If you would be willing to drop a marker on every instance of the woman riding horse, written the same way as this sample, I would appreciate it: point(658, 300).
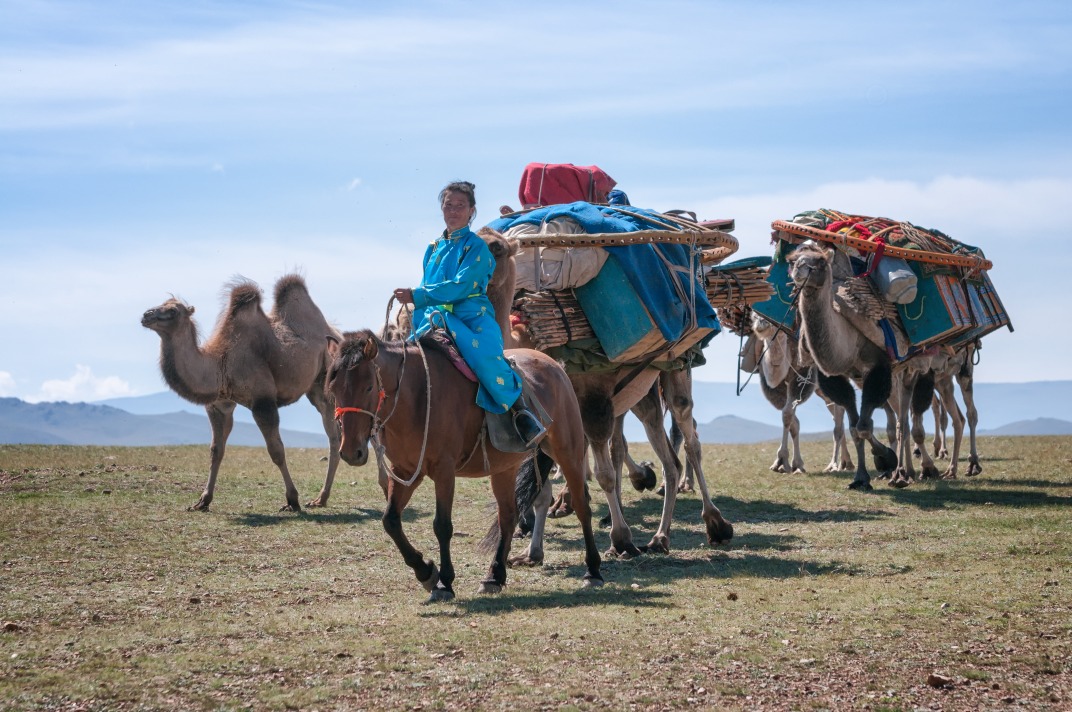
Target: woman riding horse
point(453, 295)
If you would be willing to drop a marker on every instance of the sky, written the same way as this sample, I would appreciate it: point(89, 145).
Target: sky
point(151, 149)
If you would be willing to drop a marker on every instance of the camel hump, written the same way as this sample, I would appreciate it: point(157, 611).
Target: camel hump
point(289, 286)
point(499, 245)
point(244, 294)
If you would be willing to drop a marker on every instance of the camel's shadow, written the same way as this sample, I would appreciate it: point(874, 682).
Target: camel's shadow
point(945, 493)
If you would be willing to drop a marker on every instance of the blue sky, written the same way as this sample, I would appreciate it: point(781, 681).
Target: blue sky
point(150, 149)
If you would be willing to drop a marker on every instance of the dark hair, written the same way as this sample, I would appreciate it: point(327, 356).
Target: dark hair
point(460, 186)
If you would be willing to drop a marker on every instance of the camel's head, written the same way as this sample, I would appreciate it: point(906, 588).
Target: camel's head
point(810, 266)
point(762, 327)
point(353, 381)
point(167, 316)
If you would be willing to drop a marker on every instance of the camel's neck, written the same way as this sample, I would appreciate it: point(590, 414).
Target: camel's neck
point(189, 372)
point(832, 340)
point(776, 359)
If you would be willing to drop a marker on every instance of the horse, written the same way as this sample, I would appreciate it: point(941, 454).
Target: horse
point(424, 419)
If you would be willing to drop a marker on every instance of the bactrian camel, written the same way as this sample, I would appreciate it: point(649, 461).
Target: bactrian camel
point(843, 354)
point(788, 381)
point(259, 361)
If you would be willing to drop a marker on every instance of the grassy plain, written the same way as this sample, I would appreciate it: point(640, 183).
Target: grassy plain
point(112, 596)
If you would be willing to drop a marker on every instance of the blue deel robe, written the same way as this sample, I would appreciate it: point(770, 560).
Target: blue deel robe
point(454, 294)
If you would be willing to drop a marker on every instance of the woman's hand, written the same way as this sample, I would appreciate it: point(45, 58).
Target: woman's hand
point(404, 295)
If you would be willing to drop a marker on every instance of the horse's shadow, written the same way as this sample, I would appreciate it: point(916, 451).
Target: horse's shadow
point(359, 515)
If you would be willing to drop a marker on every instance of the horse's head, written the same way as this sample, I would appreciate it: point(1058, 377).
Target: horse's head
point(353, 380)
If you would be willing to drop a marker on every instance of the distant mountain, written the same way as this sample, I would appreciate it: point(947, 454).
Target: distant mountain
point(64, 423)
point(1036, 408)
point(1038, 426)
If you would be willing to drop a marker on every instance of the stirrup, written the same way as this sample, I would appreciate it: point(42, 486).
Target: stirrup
point(529, 428)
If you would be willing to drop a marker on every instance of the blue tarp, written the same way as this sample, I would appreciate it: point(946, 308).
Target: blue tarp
point(642, 264)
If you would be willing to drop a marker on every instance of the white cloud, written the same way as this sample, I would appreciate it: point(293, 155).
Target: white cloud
point(83, 386)
point(7, 384)
point(353, 185)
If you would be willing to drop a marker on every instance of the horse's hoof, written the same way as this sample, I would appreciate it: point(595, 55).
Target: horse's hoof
point(645, 479)
point(441, 595)
point(488, 587)
point(861, 486)
point(605, 521)
point(590, 581)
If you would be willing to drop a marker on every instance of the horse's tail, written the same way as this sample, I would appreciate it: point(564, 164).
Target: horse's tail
point(531, 477)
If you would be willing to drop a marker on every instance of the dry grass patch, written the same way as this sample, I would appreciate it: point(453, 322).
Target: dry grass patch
point(112, 596)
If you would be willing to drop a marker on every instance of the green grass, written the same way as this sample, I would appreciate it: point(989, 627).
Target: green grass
point(113, 596)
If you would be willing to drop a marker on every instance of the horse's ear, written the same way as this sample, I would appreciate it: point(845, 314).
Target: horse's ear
point(333, 345)
point(369, 350)
point(191, 312)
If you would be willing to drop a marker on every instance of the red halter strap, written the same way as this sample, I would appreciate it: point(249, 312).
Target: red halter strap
point(339, 412)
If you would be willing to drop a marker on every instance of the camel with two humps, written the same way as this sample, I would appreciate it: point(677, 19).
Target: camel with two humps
point(257, 360)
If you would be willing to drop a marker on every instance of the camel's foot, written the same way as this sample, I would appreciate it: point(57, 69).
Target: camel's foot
point(974, 468)
point(530, 559)
point(899, 481)
point(490, 586)
point(290, 507)
point(441, 595)
point(625, 550)
point(861, 485)
point(941, 453)
point(917, 453)
point(659, 544)
point(685, 486)
point(950, 472)
point(590, 581)
point(719, 531)
point(778, 466)
point(430, 581)
point(644, 478)
point(562, 506)
point(201, 505)
point(320, 501)
point(929, 472)
point(799, 470)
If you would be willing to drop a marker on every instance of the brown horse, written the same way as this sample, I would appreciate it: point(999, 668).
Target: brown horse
point(415, 405)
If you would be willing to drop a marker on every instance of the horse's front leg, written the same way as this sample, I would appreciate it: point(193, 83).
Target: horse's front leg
point(502, 486)
point(398, 497)
point(443, 526)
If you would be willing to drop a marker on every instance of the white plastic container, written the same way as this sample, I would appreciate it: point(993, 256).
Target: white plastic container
point(895, 279)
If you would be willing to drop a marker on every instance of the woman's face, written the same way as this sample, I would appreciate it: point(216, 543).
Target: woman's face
point(456, 210)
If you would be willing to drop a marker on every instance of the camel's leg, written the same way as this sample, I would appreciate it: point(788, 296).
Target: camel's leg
point(790, 430)
point(266, 415)
point(221, 419)
point(966, 380)
point(569, 451)
point(900, 399)
point(922, 400)
point(677, 391)
point(875, 393)
point(533, 556)
point(641, 474)
point(781, 461)
point(502, 486)
point(621, 538)
point(941, 422)
point(676, 439)
point(398, 497)
point(947, 396)
point(840, 459)
point(839, 390)
point(321, 402)
point(650, 413)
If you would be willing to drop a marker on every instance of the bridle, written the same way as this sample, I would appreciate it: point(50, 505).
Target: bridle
point(379, 423)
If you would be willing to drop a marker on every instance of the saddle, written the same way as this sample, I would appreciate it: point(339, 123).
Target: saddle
point(500, 426)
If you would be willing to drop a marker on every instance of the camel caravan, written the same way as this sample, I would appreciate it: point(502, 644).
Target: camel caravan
point(604, 309)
